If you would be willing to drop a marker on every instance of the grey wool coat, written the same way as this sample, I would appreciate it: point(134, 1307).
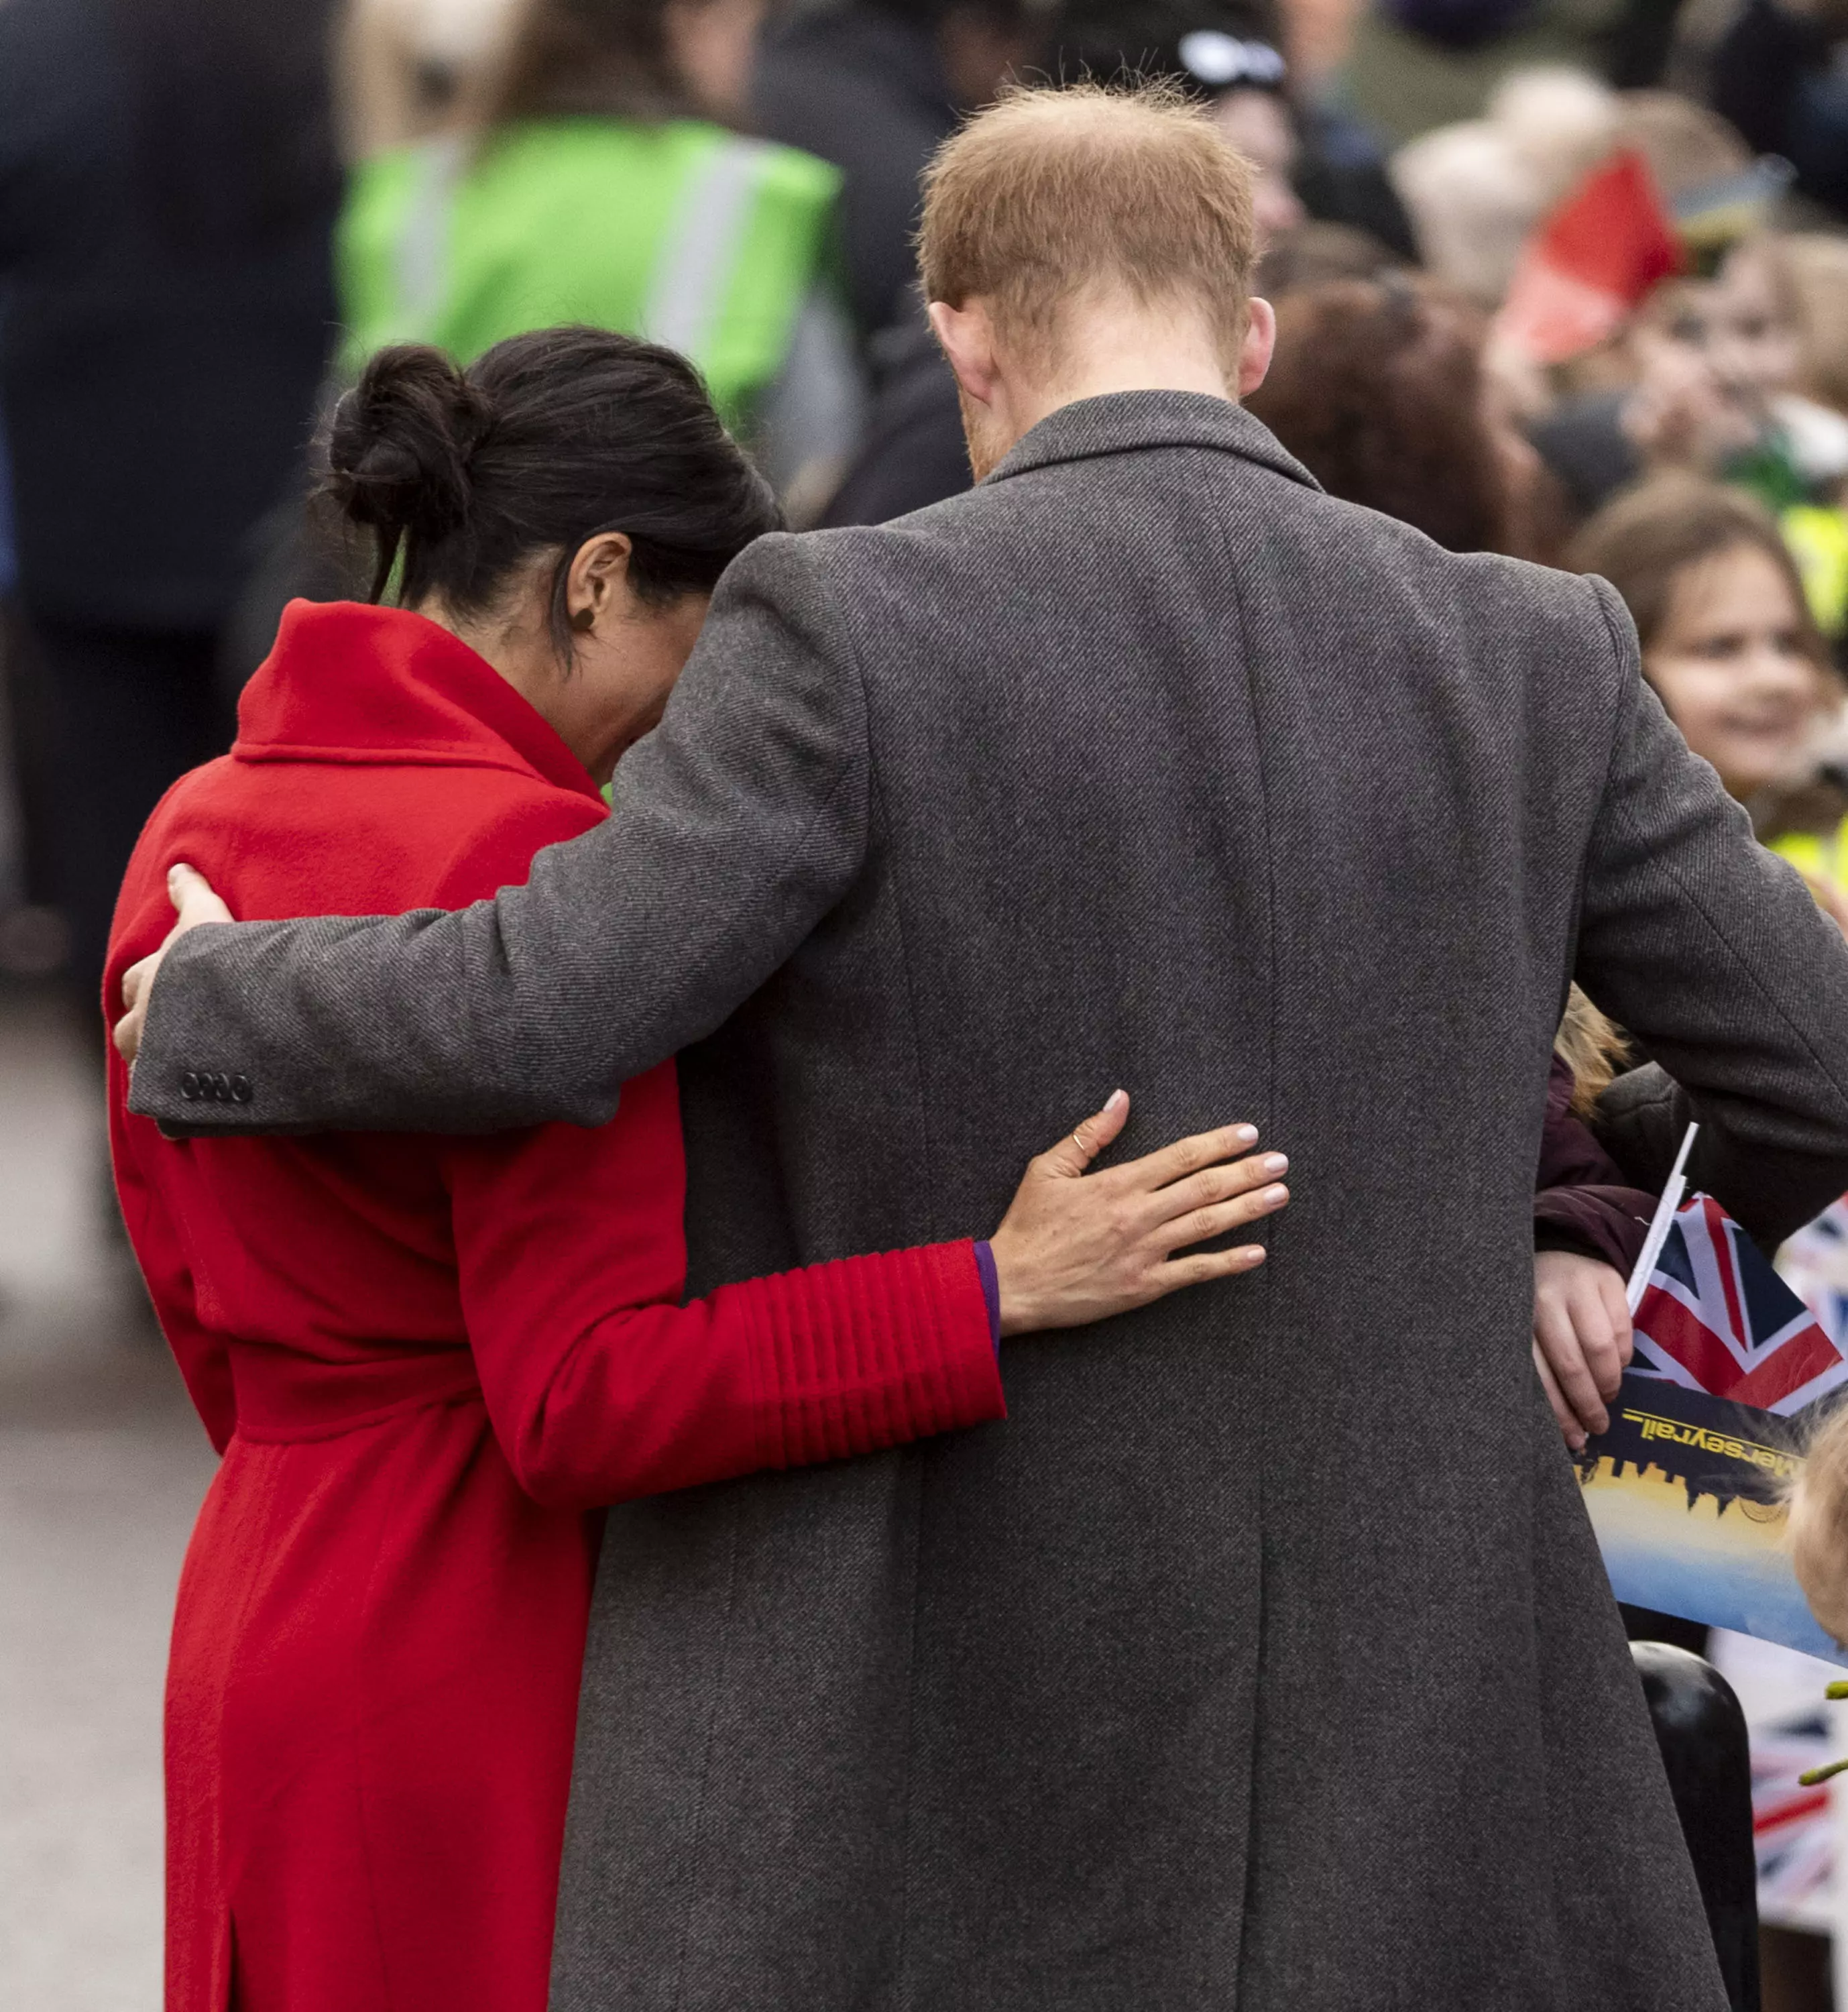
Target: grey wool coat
point(1262, 1660)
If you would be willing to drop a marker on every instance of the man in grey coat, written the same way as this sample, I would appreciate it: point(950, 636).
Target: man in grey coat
point(1263, 1658)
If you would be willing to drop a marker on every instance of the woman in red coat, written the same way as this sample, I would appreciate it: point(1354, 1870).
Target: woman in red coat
point(426, 1360)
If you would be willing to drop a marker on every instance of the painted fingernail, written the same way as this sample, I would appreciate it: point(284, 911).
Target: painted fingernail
point(1277, 1163)
point(1246, 1135)
point(1254, 1255)
point(1116, 1099)
point(1274, 1197)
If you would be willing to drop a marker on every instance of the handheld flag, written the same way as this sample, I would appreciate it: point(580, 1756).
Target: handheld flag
point(1686, 1489)
point(1597, 256)
point(1714, 1317)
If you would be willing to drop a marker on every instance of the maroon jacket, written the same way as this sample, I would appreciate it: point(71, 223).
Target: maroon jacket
point(1581, 1202)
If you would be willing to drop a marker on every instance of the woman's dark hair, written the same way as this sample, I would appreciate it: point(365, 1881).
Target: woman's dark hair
point(1645, 541)
point(1377, 388)
point(548, 440)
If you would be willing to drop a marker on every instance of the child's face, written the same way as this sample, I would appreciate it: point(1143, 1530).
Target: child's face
point(1729, 662)
point(1751, 339)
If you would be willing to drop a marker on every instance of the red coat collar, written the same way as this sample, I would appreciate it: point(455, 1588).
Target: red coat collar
point(353, 684)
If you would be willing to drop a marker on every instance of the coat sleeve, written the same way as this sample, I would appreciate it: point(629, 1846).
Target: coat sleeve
point(735, 827)
point(1581, 1202)
point(204, 1360)
point(1710, 951)
point(602, 1388)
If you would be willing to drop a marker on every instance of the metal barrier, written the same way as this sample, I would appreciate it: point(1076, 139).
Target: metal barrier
point(1702, 1735)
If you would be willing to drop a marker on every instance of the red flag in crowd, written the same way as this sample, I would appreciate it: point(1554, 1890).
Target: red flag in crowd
point(1598, 255)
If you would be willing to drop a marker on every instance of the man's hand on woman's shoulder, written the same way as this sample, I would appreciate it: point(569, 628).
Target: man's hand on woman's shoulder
point(192, 895)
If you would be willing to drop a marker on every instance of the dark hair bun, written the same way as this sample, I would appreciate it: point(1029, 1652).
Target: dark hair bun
point(399, 448)
point(467, 476)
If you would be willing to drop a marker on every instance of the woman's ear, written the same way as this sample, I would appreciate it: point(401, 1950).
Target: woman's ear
point(596, 587)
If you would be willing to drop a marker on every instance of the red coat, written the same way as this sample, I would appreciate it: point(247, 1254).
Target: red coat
point(425, 1361)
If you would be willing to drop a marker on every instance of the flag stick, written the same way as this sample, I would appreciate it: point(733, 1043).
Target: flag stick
point(1658, 1228)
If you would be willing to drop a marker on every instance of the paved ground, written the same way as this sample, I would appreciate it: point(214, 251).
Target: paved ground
point(101, 1467)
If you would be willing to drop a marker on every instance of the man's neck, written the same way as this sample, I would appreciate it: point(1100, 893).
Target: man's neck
point(1097, 374)
point(1108, 350)
point(1101, 377)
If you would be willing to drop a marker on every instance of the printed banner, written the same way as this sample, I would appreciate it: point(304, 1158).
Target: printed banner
point(1686, 1492)
point(1733, 1372)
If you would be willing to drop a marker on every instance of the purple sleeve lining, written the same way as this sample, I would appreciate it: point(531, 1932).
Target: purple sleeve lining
point(991, 1292)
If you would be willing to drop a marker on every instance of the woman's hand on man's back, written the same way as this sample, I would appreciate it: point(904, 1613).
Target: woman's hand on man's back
point(1077, 1247)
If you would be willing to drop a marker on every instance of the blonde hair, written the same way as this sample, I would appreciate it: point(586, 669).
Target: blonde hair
point(1818, 1527)
point(1592, 1047)
point(1051, 192)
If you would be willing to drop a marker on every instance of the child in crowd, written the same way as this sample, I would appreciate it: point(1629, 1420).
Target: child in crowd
point(1727, 377)
point(1819, 1526)
point(1729, 644)
point(1589, 1225)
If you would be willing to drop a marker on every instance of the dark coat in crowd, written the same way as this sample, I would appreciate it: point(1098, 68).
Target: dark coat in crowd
point(1263, 1657)
point(157, 367)
point(862, 85)
point(912, 453)
point(168, 190)
point(1777, 75)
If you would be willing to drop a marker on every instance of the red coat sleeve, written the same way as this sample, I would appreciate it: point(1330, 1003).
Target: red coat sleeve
point(601, 1388)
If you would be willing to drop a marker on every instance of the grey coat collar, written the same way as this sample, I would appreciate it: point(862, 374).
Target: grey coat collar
point(1125, 422)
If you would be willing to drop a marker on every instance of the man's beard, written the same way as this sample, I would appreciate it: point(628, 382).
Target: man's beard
point(987, 442)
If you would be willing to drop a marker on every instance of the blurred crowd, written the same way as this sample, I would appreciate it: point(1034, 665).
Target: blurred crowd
point(1562, 279)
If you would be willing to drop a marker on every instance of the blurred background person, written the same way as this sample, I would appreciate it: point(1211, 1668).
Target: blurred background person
point(1716, 365)
point(875, 87)
point(1475, 189)
point(1378, 387)
point(1730, 646)
point(601, 182)
point(1227, 55)
point(1666, 402)
point(1778, 73)
point(168, 187)
point(410, 69)
point(1316, 252)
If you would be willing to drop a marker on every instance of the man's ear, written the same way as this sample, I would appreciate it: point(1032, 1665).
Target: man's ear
point(966, 336)
point(1260, 345)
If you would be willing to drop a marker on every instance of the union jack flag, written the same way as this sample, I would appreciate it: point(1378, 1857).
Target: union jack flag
point(1715, 1317)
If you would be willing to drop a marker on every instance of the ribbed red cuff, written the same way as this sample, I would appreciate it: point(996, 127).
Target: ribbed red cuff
point(870, 1352)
